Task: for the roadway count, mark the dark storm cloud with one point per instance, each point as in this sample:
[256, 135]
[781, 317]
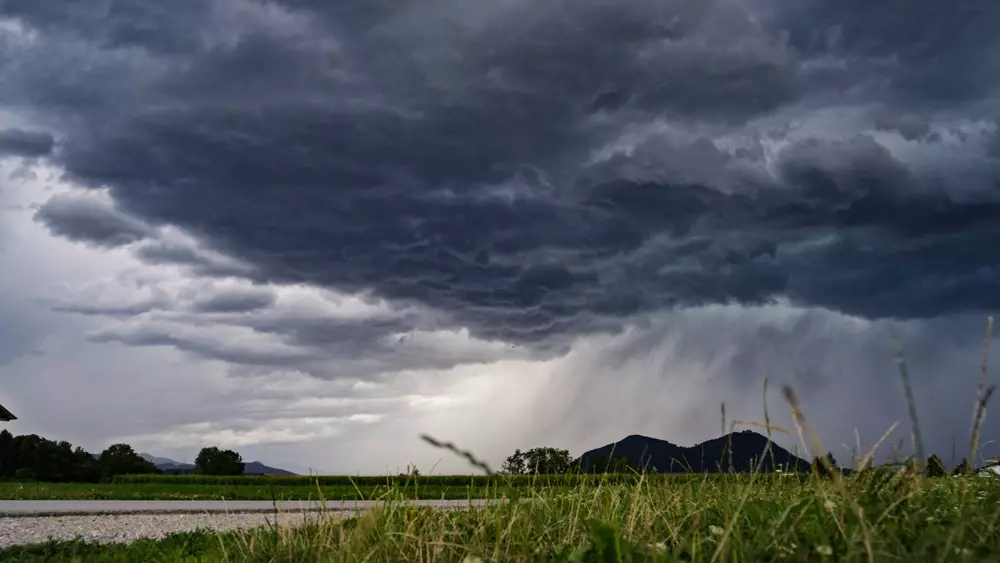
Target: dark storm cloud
[187, 254]
[18, 142]
[201, 344]
[910, 126]
[939, 51]
[234, 301]
[127, 309]
[323, 334]
[114, 23]
[446, 154]
[91, 220]
[325, 347]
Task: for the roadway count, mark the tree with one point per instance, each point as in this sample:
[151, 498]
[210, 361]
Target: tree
[825, 466]
[33, 458]
[547, 461]
[962, 468]
[935, 467]
[213, 461]
[121, 459]
[538, 461]
[8, 463]
[514, 464]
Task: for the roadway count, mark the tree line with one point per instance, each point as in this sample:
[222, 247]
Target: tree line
[31, 457]
[555, 461]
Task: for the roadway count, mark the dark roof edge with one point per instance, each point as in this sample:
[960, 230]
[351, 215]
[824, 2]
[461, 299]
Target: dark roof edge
[6, 415]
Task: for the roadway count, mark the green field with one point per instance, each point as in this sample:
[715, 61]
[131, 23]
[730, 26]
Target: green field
[161, 487]
[883, 517]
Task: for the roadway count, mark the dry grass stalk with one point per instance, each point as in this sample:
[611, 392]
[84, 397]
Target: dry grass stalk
[472, 459]
[904, 372]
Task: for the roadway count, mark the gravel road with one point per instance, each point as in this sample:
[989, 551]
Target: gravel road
[128, 527]
[96, 507]
[27, 522]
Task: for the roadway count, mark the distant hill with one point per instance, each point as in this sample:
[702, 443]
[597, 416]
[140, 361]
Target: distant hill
[172, 467]
[158, 461]
[661, 456]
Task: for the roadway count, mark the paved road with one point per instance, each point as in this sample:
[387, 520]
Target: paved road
[22, 508]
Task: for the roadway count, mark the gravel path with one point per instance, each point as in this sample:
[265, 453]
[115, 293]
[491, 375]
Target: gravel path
[27, 522]
[27, 508]
[130, 527]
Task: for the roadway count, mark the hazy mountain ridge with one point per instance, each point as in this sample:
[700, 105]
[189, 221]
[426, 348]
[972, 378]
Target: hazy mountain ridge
[168, 465]
[662, 456]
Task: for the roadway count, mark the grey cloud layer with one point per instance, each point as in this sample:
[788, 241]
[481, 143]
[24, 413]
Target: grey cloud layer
[251, 327]
[90, 219]
[18, 142]
[458, 155]
[235, 301]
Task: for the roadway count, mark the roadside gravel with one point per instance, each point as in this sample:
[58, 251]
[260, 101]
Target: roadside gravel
[130, 527]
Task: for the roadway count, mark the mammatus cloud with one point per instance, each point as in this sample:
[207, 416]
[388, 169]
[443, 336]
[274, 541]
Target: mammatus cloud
[505, 182]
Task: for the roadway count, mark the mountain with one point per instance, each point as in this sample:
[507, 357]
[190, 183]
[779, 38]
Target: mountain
[172, 467]
[664, 457]
[258, 468]
[158, 461]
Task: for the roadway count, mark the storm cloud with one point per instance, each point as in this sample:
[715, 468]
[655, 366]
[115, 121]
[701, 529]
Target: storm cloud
[235, 301]
[18, 142]
[543, 180]
[90, 219]
[520, 174]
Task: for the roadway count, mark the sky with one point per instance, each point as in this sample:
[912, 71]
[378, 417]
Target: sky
[311, 230]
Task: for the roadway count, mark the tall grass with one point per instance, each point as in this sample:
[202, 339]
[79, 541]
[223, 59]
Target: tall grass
[704, 521]
[903, 517]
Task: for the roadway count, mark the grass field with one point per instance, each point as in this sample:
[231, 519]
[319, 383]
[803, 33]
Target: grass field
[902, 518]
[160, 487]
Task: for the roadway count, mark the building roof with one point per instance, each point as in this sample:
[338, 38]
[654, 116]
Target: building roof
[6, 415]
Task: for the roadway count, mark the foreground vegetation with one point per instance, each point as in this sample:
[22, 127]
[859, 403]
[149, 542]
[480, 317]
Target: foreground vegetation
[872, 517]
